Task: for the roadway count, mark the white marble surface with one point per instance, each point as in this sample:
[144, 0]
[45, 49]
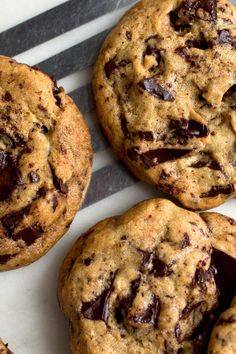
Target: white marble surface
[30, 319]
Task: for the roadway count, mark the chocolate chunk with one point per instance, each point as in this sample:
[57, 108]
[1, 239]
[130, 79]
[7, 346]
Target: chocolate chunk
[188, 309]
[4, 258]
[200, 43]
[224, 37]
[88, 261]
[217, 190]
[133, 153]
[209, 6]
[11, 221]
[29, 235]
[202, 277]
[207, 161]
[226, 321]
[58, 183]
[153, 157]
[225, 278]
[150, 315]
[54, 202]
[9, 175]
[153, 88]
[114, 64]
[128, 35]
[147, 258]
[185, 242]
[7, 97]
[34, 177]
[43, 110]
[124, 126]
[56, 93]
[144, 135]
[98, 309]
[182, 52]
[160, 269]
[231, 91]
[44, 129]
[189, 128]
[177, 332]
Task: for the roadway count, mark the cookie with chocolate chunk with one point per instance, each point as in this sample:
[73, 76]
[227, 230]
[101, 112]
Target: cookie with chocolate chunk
[165, 90]
[45, 163]
[4, 348]
[223, 339]
[152, 280]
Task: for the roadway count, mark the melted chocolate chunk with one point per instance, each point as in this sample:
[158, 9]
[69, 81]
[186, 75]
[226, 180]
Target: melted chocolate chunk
[230, 92]
[225, 278]
[224, 37]
[153, 157]
[147, 258]
[29, 235]
[209, 6]
[98, 309]
[207, 161]
[7, 97]
[88, 261]
[4, 258]
[150, 315]
[189, 128]
[153, 88]
[34, 177]
[133, 153]
[202, 277]
[11, 221]
[124, 126]
[200, 43]
[217, 190]
[58, 183]
[188, 309]
[223, 321]
[145, 135]
[114, 64]
[9, 175]
[185, 242]
[160, 269]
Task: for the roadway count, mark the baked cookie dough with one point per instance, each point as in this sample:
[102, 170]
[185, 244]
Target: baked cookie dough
[165, 91]
[153, 280]
[4, 348]
[45, 163]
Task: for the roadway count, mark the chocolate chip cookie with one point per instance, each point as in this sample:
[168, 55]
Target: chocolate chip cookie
[4, 348]
[223, 340]
[165, 90]
[45, 163]
[153, 280]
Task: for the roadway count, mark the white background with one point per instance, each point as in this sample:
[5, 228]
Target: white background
[30, 319]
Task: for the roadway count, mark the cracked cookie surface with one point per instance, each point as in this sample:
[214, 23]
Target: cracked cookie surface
[153, 280]
[165, 90]
[45, 163]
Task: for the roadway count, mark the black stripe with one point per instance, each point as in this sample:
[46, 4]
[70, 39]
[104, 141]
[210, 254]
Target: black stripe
[107, 181]
[99, 141]
[77, 58]
[83, 98]
[55, 22]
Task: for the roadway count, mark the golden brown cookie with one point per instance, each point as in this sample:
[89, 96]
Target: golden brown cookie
[45, 163]
[165, 90]
[153, 280]
[4, 348]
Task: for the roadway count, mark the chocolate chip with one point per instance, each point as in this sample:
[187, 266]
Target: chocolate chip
[54, 202]
[114, 64]
[43, 110]
[124, 126]
[152, 158]
[9, 175]
[7, 97]
[150, 315]
[153, 88]
[44, 129]
[200, 43]
[42, 192]
[29, 235]
[58, 183]
[226, 321]
[231, 91]
[56, 93]
[98, 309]
[209, 6]
[124, 238]
[144, 135]
[189, 128]
[207, 161]
[4, 258]
[202, 277]
[132, 153]
[128, 35]
[34, 177]
[190, 307]
[11, 221]
[185, 242]
[88, 261]
[182, 52]
[217, 190]
[160, 269]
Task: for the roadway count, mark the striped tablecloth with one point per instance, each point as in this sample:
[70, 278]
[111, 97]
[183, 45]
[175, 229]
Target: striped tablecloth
[63, 39]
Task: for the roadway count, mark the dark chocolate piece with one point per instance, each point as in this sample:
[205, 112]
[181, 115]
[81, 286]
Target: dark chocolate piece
[203, 276]
[217, 190]
[226, 321]
[144, 135]
[7, 97]
[11, 221]
[155, 89]
[188, 309]
[9, 175]
[29, 234]
[58, 183]
[114, 64]
[189, 128]
[152, 158]
[150, 315]
[178, 332]
[128, 35]
[98, 309]
[124, 126]
[34, 177]
[224, 37]
[4, 258]
[185, 242]
[56, 93]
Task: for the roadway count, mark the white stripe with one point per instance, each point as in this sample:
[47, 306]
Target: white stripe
[102, 159]
[14, 12]
[76, 80]
[69, 39]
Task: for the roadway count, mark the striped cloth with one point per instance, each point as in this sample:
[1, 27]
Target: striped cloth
[63, 38]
